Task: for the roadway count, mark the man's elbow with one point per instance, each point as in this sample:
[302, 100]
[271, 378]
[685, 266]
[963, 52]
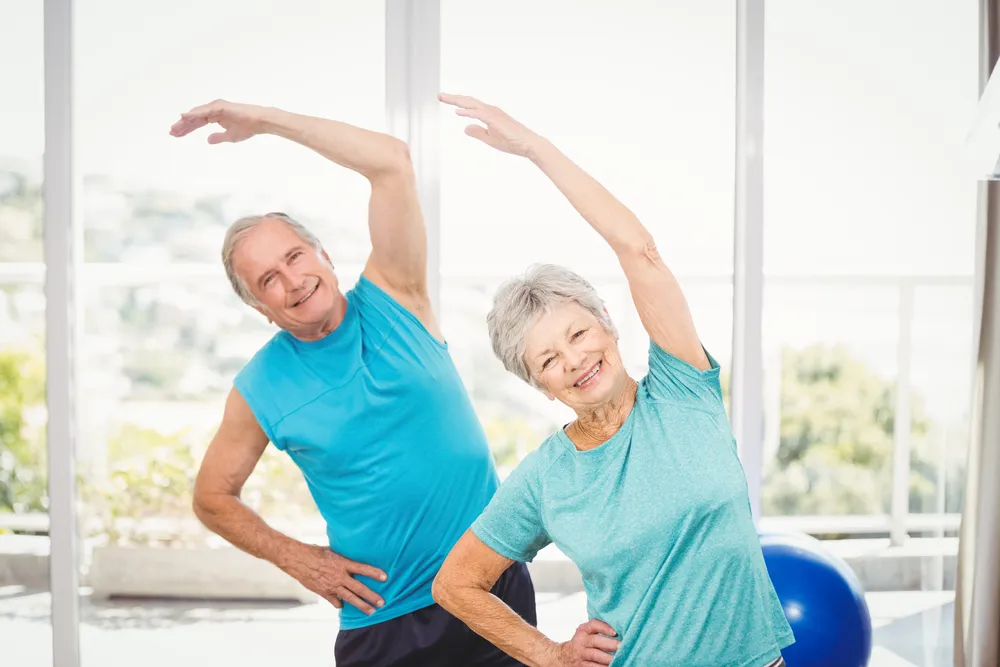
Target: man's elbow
[394, 161]
[200, 507]
[206, 506]
[399, 153]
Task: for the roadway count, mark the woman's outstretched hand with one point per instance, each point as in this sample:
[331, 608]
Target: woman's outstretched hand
[501, 132]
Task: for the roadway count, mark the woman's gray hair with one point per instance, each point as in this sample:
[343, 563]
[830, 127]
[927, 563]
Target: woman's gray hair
[239, 230]
[519, 302]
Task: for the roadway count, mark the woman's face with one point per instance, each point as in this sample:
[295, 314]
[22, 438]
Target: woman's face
[574, 358]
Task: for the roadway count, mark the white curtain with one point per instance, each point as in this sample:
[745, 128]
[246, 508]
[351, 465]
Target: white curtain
[977, 595]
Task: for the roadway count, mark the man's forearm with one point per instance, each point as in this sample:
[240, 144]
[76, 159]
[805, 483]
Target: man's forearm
[367, 152]
[239, 525]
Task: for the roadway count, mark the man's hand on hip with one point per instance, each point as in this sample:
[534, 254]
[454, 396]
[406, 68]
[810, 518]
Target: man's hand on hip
[333, 577]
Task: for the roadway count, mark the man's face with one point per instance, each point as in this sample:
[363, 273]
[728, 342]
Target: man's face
[293, 282]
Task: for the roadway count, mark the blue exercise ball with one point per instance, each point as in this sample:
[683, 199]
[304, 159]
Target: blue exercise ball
[822, 600]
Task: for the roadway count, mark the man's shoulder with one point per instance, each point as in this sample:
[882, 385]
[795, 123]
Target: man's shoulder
[275, 350]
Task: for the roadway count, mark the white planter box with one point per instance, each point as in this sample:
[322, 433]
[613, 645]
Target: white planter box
[220, 573]
[24, 561]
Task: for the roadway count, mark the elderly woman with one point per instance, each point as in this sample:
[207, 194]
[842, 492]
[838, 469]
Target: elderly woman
[643, 491]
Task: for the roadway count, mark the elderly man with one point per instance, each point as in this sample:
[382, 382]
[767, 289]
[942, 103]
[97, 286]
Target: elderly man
[358, 388]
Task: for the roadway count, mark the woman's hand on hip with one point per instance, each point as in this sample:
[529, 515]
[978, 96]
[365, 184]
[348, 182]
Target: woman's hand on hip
[591, 646]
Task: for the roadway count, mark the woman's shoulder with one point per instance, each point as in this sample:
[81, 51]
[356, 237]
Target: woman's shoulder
[539, 460]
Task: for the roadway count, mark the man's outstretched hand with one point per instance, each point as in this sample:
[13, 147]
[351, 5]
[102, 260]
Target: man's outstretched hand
[240, 121]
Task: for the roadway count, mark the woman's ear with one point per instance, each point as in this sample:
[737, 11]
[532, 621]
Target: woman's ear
[612, 328]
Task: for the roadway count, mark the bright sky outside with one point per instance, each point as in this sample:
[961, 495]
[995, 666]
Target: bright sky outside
[867, 106]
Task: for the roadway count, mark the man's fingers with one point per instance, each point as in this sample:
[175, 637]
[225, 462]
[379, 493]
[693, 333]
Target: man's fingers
[364, 592]
[197, 117]
[186, 126]
[204, 109]
[352, 599]
[364, 570]
[222, 137]
[334, 600]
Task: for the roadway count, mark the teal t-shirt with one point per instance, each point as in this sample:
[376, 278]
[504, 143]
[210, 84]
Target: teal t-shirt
[378, 420]
[658, 521]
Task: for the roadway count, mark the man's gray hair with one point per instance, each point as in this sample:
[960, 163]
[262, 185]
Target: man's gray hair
[239, 230]
[519, 303]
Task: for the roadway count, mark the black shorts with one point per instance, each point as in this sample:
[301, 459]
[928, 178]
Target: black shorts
[433, 637]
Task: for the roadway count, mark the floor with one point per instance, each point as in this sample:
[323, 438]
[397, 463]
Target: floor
[912, 629]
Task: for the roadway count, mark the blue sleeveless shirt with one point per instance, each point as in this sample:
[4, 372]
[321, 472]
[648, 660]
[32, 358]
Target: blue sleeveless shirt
[378, 420]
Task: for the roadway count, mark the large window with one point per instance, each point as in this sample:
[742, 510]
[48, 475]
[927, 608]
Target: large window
[640, 94]
[868, 269]
[869, 254]
[24, 543]
[163, 333]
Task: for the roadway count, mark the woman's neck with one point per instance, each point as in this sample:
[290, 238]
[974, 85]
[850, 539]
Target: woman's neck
[593, 428]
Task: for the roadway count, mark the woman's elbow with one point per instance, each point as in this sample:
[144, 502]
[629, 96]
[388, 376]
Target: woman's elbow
[442, 588]
[449, 584]
[637, 247]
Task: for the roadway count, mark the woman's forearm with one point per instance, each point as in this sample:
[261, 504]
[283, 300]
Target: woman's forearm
[500, 625]
[609, 217]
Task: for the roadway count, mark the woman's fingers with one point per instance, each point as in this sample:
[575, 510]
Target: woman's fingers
[596, 625]
[604, 643]
[478, 132]
[597, 657]
[462, 101]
